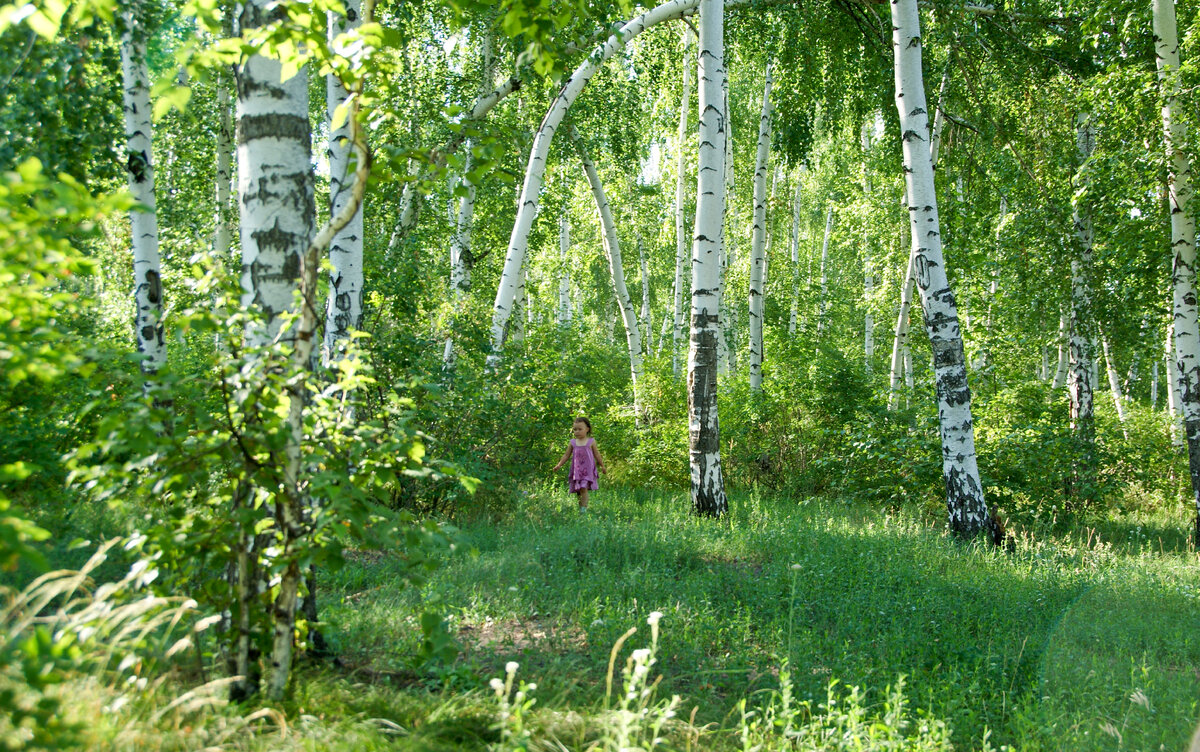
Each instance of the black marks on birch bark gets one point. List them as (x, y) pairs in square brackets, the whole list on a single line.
[(138, 166), (153, 285)]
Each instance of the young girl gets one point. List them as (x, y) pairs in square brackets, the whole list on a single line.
[(585, 459)]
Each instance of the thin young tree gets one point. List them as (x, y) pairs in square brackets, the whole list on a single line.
[(758, 243)]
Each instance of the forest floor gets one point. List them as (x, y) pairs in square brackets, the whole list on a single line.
[(1076, 638), (1080, 639)]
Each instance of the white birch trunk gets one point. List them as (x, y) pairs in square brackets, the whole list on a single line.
[(707, 480), (645, 318), (527, 205), (900, 351), (519, 315), (223, 221), (344, 309), (1060, 371), (1154, 385), (824, 271), (681, 236), (758, 244), (1183, 239), (727, 251), (564, 277), (1080, 383), (612, 249), (1114, 380), (793, 313), (1174, 412), (139, 167), (868, 275), (275, 195), (968, 512)]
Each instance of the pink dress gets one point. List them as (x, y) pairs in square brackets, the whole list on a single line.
[(583, 467)]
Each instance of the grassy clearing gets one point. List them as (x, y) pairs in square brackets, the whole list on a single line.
[(1066, 642), (1081, 640)]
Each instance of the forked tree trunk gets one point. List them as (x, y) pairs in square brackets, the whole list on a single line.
[(707, 480), (968, 512), (612, 249), (758, 244), (139, 167), (681, 235), (344, 310), (1183, 238)]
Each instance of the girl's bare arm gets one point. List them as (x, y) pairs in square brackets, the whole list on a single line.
[(565, 457), (596, 454)]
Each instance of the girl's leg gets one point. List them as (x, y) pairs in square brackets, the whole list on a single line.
[(583, 497)]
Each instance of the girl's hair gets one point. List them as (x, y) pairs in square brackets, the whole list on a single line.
[(586, 422)]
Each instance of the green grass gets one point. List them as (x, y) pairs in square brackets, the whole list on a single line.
[(1081, 638), (1063, 643)]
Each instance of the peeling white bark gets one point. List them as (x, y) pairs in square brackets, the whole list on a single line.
[(968, 512), (707, 480), (344, 309), (758, 244), (1183, 239), (143, 219)]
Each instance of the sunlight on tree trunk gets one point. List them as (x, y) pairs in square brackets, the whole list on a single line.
[(758, 244)]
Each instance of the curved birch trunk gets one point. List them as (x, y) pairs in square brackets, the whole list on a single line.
[(564, 278), (1183, 239), (758, 244), (681, 236), (527, 205), (793, 313), (1080, 383), (707, 480), (139, 168), (1114, 381), (344, 309), (612, 250), (968, 512)]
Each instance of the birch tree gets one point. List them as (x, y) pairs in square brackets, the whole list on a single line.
[(344, 309), (793, 312), (823, 302), (1183, 238), (707, 481), (564, 276), (681, 234), (757, 246), (1080, 384), (223, 219), (612, 250), (139, 169), (968, 512)]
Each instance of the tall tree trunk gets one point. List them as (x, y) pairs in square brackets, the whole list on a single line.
[(645, 318), (681, 236), (275, 196), (344, 309), (900, 351), (758, 244), (1080, 384), (823, 303), (707, 480), (139, 166), (612, 250), (795, 248), (724, 357), (527, 205), (968, 512), (461, 259), (868, 265), (223, 221), (564, 278), (1183, 238)]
